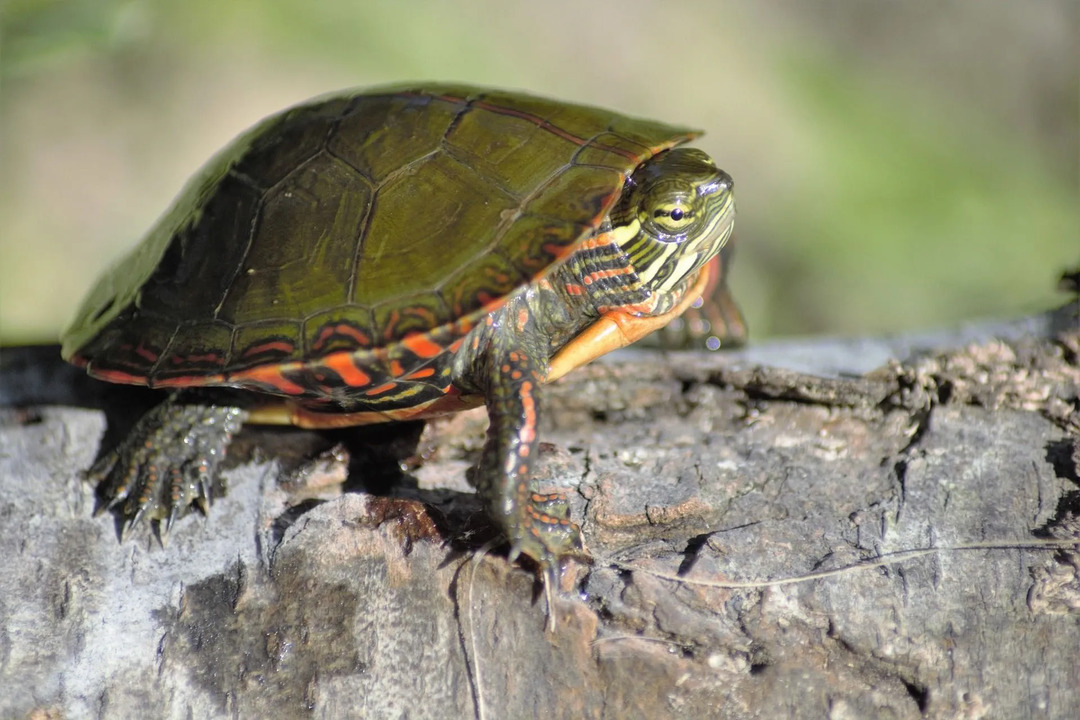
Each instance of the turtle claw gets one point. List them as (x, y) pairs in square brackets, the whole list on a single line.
[(174, 513), (129, 524), (166, 464)]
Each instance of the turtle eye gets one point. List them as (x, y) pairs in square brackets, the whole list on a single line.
[(672, 218)]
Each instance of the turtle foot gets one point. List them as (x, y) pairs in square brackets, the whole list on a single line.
[(548, 537), (166, 463)]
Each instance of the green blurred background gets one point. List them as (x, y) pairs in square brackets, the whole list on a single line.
[(898, 164)]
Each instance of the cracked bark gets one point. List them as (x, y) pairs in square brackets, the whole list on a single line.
[(305, 594)]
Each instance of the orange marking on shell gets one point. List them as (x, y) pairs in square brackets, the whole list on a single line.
[(464, 325), (426, 314), (422, 346), (574, 289), (118, 376), (195, 358), (272, 345), (522, 319), (420, 374), (343, 364), (381, 388), (185, 381), (341, 329), (558, 250), (146, 353), (395, 368), (391, 325), (272, 375)]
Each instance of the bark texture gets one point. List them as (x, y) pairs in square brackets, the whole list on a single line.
[(346, 586)]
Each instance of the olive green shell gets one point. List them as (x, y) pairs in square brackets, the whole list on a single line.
[(355, 220)]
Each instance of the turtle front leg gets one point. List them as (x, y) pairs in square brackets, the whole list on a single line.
[(536, 524), (167, 462)]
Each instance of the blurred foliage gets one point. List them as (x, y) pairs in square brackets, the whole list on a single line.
[(898, 165)]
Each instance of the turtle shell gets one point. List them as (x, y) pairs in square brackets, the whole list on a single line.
[(361, 220)]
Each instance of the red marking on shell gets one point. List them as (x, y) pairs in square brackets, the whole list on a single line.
[(395, 368), (557, 250), (421, 374), (343, 363), (189, 359), (381, 389), (146, 353), (539, 121), (574, 289), (280, 346), (189, 381), (118, 376), (272, 375), (340, 329), (422, 346)]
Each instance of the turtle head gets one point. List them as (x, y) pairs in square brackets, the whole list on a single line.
[(676, 212)]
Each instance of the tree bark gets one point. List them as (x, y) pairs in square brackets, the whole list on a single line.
[(702, 482)]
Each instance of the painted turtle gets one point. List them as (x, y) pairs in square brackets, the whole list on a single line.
[(399, 253)]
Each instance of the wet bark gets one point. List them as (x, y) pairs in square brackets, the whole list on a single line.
[(354, 584)]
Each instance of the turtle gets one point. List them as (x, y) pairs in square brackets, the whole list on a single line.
[(392, 254)]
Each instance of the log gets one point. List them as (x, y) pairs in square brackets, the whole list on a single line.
[(857, 528)]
